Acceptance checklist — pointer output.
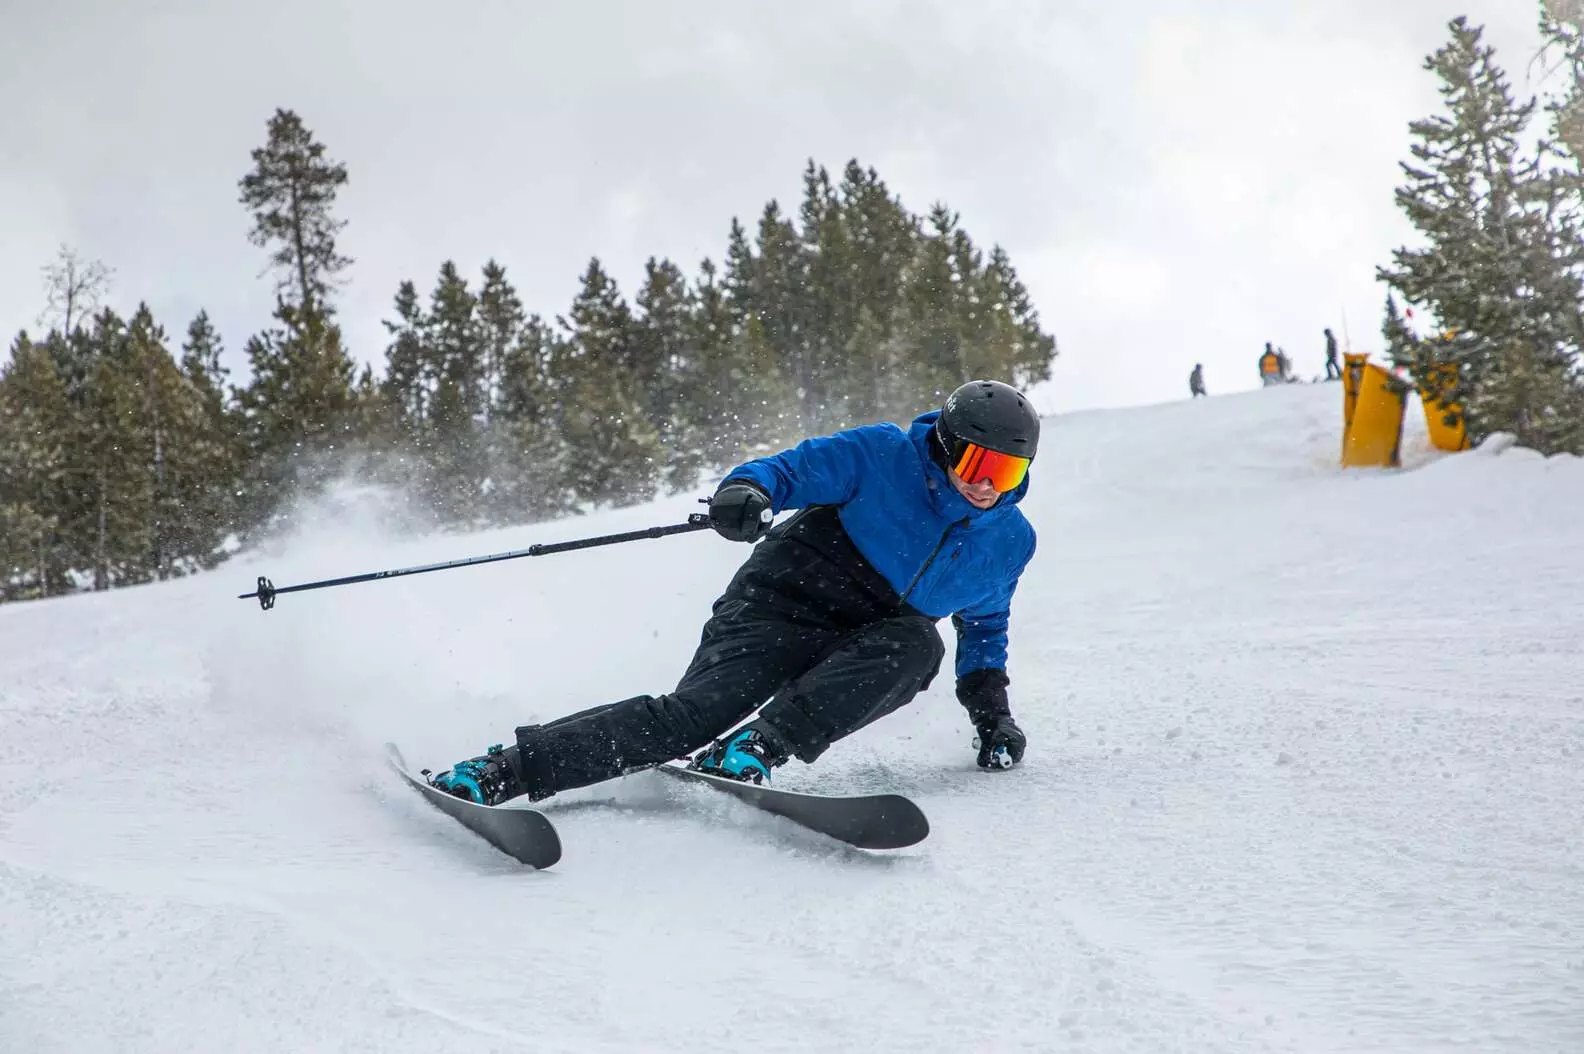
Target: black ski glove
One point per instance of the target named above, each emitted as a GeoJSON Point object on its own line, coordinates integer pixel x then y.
{"type": "Point", "coordinates": [1000, 742]}
{"type": "Point", "coordinates": [740, 511]}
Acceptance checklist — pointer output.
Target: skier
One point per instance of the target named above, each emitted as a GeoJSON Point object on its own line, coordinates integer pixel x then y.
{"type": "Point", "coordinates": [1333, 370]}
{"type": "Point", "coordinates": [1271, 367]}
{"type": "Point", "coordinates": [1196, 386]}
{"type": "Point", "coordinates": [832, 618]}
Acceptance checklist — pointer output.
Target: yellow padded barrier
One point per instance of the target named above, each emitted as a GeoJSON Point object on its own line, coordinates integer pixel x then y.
{"type": "Point", "coordinates": [1444, 419]}
{"type": "Point", "coordinates": [1373, 403]}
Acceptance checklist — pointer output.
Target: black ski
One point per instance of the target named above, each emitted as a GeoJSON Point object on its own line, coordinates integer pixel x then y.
{"type": "Point", "coordinates": [522, 834]}
{"type": "Point", "coordinates": [867, 821]}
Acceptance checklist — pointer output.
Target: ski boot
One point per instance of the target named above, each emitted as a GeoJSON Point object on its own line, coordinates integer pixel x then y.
{"type": "Point", "coordinates": [746, 756]}
{"type": "Point", "coordinates": [486, 780]}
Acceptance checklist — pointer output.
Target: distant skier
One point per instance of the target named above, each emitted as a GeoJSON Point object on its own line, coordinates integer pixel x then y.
{"type": "Point", "coordinates": [1271, 367]}
{"type": "Point", "coordinates": [1196, 380]}
{"type": "Point", "coordinates": [832, 618]}
{"type": "Point", "coordinates": [1333, 370]}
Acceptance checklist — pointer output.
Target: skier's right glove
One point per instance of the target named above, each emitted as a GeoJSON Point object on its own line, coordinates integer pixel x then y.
{"type": "Point", "coordinates": [740, 511]}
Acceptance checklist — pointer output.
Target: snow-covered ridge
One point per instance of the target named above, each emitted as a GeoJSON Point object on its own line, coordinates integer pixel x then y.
{"type": "Point", "coordinates": [1305, 771]}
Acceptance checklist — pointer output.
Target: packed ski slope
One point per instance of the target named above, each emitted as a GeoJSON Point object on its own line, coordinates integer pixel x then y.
{"type": "Point", "coordinates": [1306, 773]}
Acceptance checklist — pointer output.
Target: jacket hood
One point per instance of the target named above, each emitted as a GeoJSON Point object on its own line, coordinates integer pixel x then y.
{"type": "Point", "coordinates": [943, 494]}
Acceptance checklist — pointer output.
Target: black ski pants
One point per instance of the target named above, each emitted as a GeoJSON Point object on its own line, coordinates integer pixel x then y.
{"type": "Point", "coordinates": [806, 624]}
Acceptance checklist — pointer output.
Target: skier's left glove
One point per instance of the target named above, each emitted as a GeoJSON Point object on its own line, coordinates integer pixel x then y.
{"type": "Point", "coordinates": [999, 740]}
{"type": "Point", "coordinates": [1001, 743]}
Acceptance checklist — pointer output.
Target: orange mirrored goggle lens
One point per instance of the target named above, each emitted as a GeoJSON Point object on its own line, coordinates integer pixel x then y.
{"type": "Point", "coordinates": [1004, 471]}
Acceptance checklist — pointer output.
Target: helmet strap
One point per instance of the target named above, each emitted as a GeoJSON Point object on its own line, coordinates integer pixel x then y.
{"type": "Point", "coordinates": [937, 446]}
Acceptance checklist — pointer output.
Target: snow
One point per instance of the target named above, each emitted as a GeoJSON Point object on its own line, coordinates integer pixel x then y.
{"type": "Point", "coordinates": [1306, 773]}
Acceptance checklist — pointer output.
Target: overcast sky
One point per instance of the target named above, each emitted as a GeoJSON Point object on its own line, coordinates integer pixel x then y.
{"type": "Point", "coordinates": [1175, 182]}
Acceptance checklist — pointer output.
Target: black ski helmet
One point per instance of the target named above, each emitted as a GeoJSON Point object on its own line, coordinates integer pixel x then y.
{"type": "Point", "coordinates": [991, 414]}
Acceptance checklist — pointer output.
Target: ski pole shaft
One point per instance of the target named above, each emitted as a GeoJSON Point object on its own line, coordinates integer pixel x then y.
{"type": "Point", "coordinates": [267, 592]}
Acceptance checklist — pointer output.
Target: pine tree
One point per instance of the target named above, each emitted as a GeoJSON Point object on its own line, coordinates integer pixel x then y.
{"type": "Point", "coordinates": [201, 360]}
{"type": "Point", "coordinates": [717, 394]}
{"type": "Point", "coordinates": [777, 277]}
{"type": "Point", "coordinates": [408, 378]}
{"type": "Point", "coordinates": [157, 429]}
{"type": "Point", "coordinates": [158, 461]}
{"type": "Point", "coordinates": [668, 370]}
{"type": "Point", "coordinates": [75, 354]}
{"type": "Point", "coordinates": [452, 442]}
{"type": "Point", "coordinates": [453, 342]}
{"type": "Point", "coordinates": [296, 412]}
{"type": "Point", "coordinates": [829, 300]}
{"type": "Point", "coordinates": [35, 423]}
{"type": "Point", "coordinates": [299, 406]}
{"type": "Point", "coordinates": [1501, 264]}
{"type": "Point", "coordinates": [1562, 29]}
{"type": "Point", "coordinates": [883, 240]}
{"type": "Point", "coordinates": [76, 359]}
{"type": "Point", "coordinates": [291, 193]}
{"type": "Point", "coordinates": [500, 322]}
{"type": "Point", "coordinates": [941, 314]}
{"type": "Point", "coordinates": [763, 412]}
{"type": "Point", "coordinates": [211, 454]}
{"type": "Point", "coordinates": [760, 353]}
{"type": "Point", "coordinates": [613, 449]}
{"type": "Point", "coordinates": [1537, 396]}
{"type": "Point", "coordinates": [378, 430]}
{"type": "Point", "coordinates": [1018, 348]}
{"type": "Point", "coordinates": [112, 528]}
{"type": "Point", "coordinates": [452, 457]}
{"type": "Point", "coordinates": [528, 459]}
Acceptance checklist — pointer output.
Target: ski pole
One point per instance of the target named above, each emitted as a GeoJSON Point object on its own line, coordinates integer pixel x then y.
{"type": "Point", "coordinates": [267, 592]}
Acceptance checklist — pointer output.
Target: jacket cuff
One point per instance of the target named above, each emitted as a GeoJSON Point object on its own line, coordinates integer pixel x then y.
{"type": "Point", "coordinates": [742, 481]}
{"type": "Point", "coordinates": [983, 693]}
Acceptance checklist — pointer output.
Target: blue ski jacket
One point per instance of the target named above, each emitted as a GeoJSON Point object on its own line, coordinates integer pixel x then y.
{"type": "Point", "coordinates": [942, 555]}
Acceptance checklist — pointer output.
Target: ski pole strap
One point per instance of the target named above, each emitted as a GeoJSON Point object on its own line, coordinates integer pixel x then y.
{"type": "Point", "coordinates": [266, 592]}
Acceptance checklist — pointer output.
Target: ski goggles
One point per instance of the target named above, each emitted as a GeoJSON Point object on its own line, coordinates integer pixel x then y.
{"type": "Point", "coordinates": [975, 463]}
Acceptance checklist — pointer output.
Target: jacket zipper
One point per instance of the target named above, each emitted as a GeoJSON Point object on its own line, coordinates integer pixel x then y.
{"type": "Point", "coordinates": [931, 559]}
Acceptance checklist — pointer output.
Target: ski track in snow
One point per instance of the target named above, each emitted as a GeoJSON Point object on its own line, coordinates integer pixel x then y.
{"type": "Point", "coordinates": [1285, 790]}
